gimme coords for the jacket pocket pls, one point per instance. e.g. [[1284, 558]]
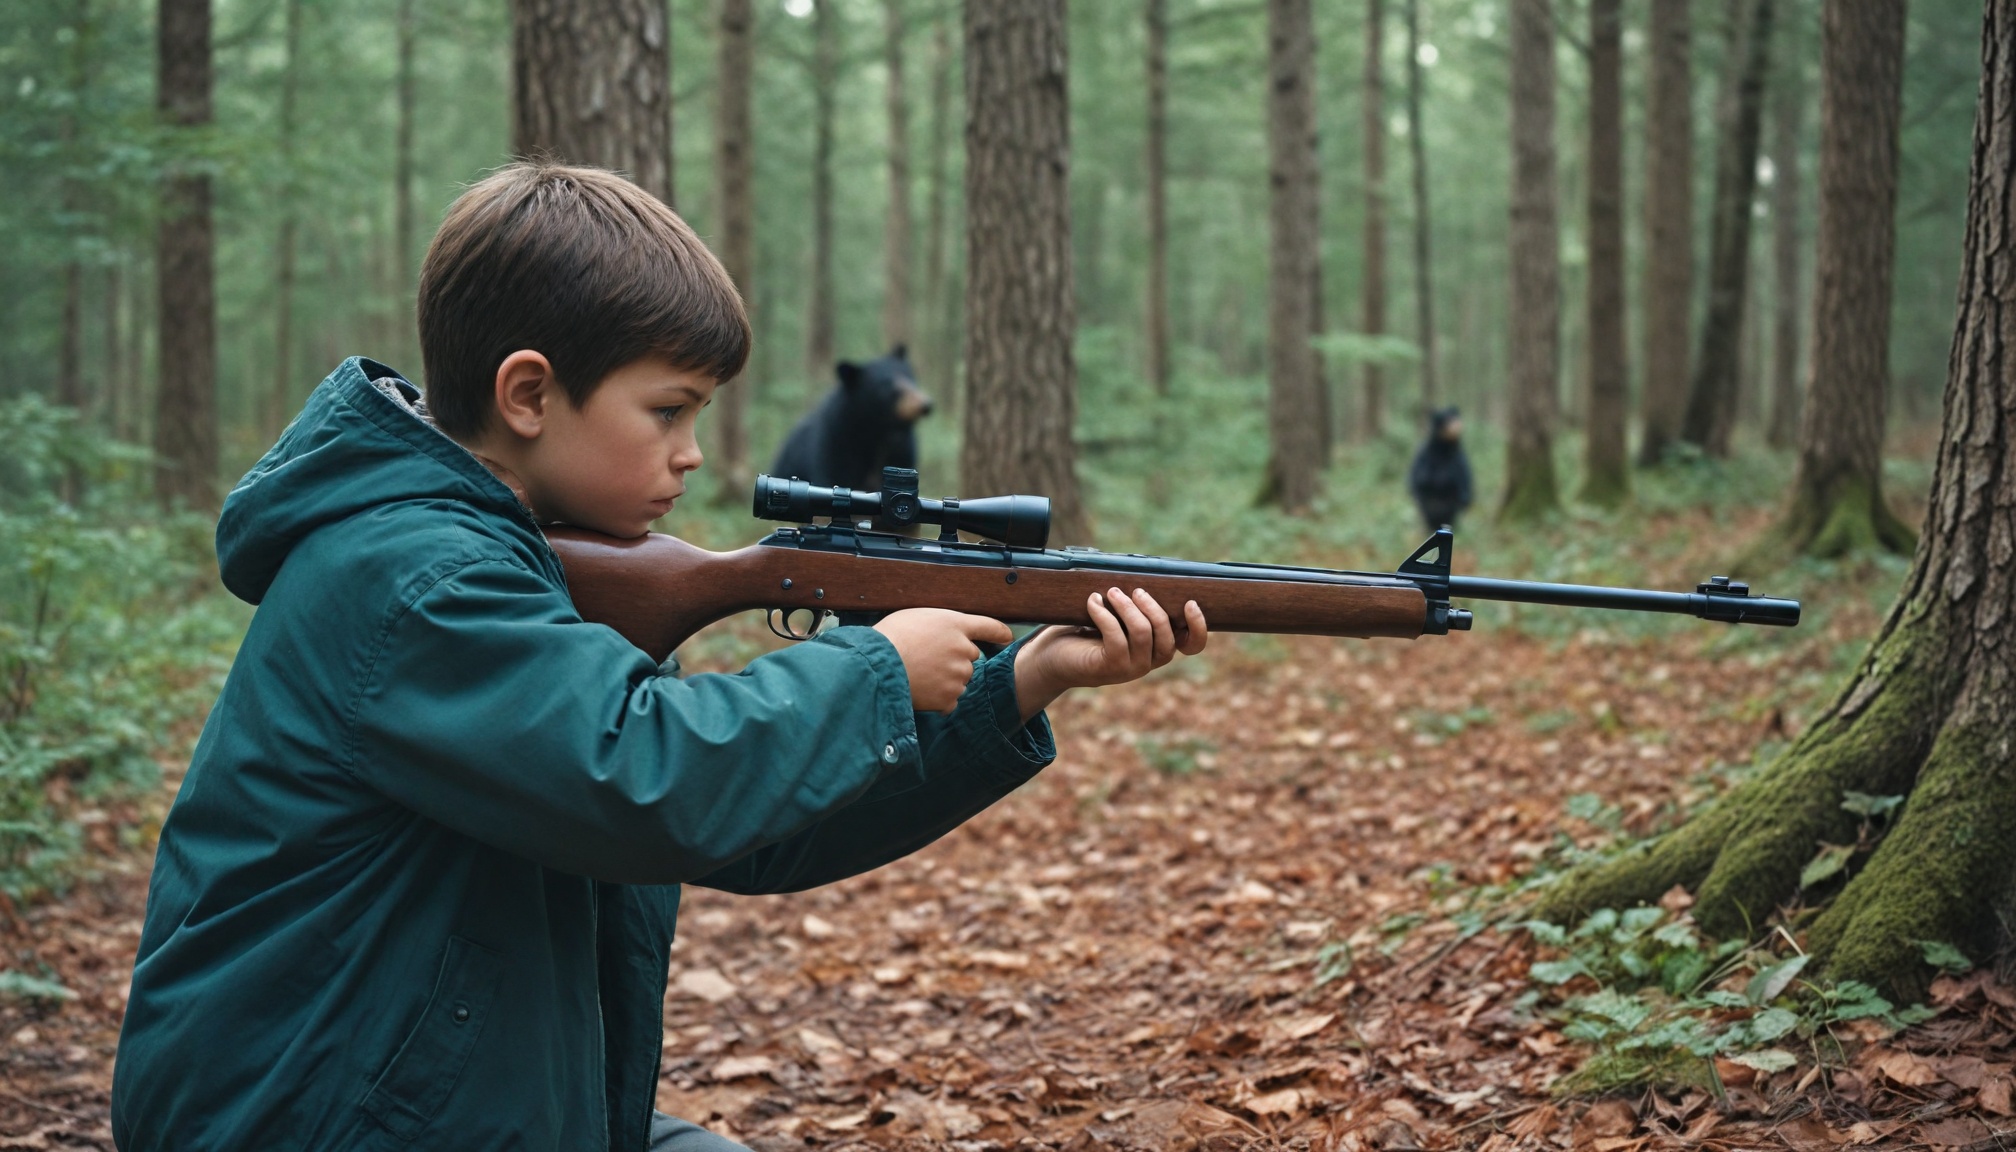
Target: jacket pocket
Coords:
[[417, 1083]]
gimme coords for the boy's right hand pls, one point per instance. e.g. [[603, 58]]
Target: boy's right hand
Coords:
[[938, 647]]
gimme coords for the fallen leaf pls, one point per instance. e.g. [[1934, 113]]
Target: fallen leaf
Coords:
[[991, 958], [816, 928], [1395, 1136], [1955, 1132], [814, 1040], [1537, 1124], [707, 984], [1806, 1134], [1605, 1118], [1306, 1026], [1905, 1068], [741, 1068], [1967, 1071], [1677, 899], [1286, 1102], [1994, 1096]]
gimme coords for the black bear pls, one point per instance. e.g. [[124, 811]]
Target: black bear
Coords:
[[867, 422], [1440, 477]]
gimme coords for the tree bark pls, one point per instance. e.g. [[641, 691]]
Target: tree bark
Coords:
[[1535, 302], [1372, 417], [1837, 498], [819, 306], [1606, 470], [185, 423], [734, 209], [896, 318], [1294, 407], [1424, 296], [279, 400], [1666, 291], [1711, 399], [407, 270], [1156, 326], [591, 82], [940, 363], [1786, 275], [1929, 711], [1022, 398]]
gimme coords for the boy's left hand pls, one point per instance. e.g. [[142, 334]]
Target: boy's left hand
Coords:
[[1130, 637]]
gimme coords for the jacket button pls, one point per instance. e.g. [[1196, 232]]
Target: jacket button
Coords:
[[461, 1013], [889, 753]]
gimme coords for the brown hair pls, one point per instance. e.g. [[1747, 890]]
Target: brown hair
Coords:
[[578, 264]]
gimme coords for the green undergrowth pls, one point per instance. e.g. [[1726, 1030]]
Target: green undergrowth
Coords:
[[114, 638]]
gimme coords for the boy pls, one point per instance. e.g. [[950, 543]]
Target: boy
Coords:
[[418, 888]]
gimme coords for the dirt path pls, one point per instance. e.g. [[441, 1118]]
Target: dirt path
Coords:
[[1173, 938]]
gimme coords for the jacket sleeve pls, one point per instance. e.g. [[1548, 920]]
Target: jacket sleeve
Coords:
[[976, 755], [490, 707]]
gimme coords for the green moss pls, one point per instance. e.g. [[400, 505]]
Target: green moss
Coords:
[[1952, 852], [1606, 488], [1645, 872]]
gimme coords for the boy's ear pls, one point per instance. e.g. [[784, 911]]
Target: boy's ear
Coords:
[[525, 390], [850, 374]]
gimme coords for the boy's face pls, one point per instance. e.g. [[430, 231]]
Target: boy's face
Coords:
[[617, 462]]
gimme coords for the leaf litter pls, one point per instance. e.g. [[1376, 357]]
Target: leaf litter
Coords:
[[1232, 916]]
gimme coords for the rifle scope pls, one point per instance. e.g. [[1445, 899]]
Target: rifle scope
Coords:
[[1017, 521]]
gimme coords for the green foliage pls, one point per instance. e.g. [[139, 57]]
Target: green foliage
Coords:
[[20, 986], [109, 641], [1655, 1003], [1175, 755]]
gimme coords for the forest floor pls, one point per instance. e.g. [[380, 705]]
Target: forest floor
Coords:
[[1221, 920]]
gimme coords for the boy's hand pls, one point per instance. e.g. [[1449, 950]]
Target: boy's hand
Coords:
[[938, 647], [1130, 637]]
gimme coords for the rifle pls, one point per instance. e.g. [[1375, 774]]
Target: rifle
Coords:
[[859, 564]]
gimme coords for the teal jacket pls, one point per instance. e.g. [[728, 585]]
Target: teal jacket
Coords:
[[418, 888]]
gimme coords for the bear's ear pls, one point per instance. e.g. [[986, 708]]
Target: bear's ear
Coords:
[[851, 374], [900, 352]]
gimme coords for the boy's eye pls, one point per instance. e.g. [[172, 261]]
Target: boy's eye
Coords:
[[668, 415]]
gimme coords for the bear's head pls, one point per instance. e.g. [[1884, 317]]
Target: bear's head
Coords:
[[883, 392]]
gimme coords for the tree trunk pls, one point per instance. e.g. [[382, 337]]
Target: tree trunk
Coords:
[[1156, 334], [1711, 398], [1424, 297], [402, 189], [1535, 302], [1932, 704], [115, 352], [734, 211], [1372, 418], [279, 404], [1607, 474], [819, 305], [591, 81], [185, 423], [1022, 396], [1667, 289], [1294, 408], [1837, 499], [896, 233], [1786, 279], [940, 364]]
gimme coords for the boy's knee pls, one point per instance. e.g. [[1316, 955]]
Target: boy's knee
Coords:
[[671, 1134]]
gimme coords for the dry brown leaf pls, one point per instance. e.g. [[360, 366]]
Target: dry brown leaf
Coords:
[[1905, 1068], [1287, 1102], [1301, 1028], [1807, 1134], [1605, 1118], [1966, 1071], [816, 928], [707, 984], [741, 1068], [1539, 1123], [1701, 1126], [993, 958], [1955, 1132], [1994, 1095]]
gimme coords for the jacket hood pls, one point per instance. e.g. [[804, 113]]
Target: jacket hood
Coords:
[[361, 442]]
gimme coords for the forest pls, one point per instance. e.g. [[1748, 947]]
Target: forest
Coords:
[[1715, 286]]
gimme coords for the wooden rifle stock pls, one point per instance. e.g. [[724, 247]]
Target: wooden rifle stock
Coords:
[[658, 590]]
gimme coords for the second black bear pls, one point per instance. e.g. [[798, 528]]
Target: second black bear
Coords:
[[1440, 477], [867, 422]]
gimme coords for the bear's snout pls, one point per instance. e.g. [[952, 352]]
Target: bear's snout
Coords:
[[912, 404]]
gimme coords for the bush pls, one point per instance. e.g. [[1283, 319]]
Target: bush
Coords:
[[112, 637]]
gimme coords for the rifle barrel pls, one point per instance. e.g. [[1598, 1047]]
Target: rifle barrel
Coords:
[[1706, 606]]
